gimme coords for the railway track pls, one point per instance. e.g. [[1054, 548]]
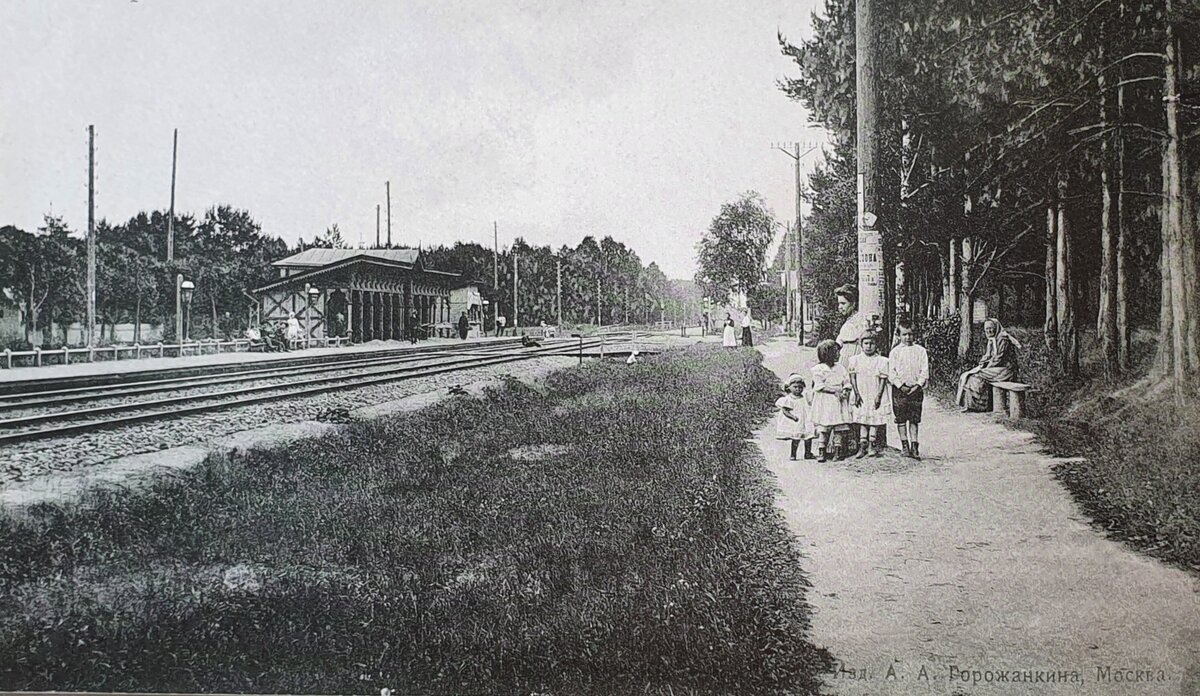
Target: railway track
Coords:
[[300, 380]]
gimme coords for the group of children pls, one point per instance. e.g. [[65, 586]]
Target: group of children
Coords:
[[864, 393]]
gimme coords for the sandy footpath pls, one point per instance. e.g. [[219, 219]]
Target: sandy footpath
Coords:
[[973, 571]]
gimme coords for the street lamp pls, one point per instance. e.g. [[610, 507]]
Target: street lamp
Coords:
[[311, 293], [186, 288]]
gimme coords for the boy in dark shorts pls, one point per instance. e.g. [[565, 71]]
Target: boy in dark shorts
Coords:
[[908, 371]]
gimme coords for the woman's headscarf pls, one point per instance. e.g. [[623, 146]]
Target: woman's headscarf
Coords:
[[1001, 333]]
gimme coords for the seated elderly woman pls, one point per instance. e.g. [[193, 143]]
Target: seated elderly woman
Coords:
[[998, 364]]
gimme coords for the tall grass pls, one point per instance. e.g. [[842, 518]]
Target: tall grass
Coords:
[[608, 534]]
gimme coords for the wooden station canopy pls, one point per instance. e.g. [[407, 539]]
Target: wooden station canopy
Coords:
[[367, 294]]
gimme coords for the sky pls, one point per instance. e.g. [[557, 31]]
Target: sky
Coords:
[[554, 119]]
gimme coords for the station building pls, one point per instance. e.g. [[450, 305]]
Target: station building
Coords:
[[367, 294]]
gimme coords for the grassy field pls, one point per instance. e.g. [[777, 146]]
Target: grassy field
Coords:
[[1139, 480], [611, 533]]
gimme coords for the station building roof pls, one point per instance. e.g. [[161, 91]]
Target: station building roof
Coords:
[[315, 258]]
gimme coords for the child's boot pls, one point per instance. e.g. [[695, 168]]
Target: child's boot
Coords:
[[904, 450], [916, 451], [821, 454], [862, 448], [795, 446], [808, 453]]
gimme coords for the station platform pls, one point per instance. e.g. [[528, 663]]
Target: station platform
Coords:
[[132, 366]]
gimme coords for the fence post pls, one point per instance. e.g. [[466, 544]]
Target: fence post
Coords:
[[37, 356], [91, 353], [137, 351], [160, 349], [8, 358]]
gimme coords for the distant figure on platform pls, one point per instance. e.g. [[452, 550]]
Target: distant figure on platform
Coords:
[[729, 334], [413, 320], [706, 322], [500, 323], [747, 338], [998, 364], [464, 326], [338, 325], [293, 327]]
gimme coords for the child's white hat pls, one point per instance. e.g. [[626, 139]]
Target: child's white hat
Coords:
[[792, 379]]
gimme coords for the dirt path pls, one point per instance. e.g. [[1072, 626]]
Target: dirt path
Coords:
[[973, 570]]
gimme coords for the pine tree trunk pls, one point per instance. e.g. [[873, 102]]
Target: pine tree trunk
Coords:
[[1122, 290], [955, 275], [1178, 276], [1106, 313], [1050, 329], [947, 303], [966, 304], [1068, 332]]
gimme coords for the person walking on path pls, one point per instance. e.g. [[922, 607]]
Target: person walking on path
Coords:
[[908, 371], [831, 402], [998, 364], [728, 335], [747, 338], [794, 423], [500, 322], [464, 325], [869, 377]]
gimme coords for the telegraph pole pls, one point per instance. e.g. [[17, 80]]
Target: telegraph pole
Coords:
[[376, 225], [495, 276], [514, 253], [798, 289], [795, 283], [171, 215], [872, 301], [91, 238], [558, 288], [388, 185]]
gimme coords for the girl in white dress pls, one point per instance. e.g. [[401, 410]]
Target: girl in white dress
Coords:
[[793, 422], [831, 402], [729, 336], [872, 404]]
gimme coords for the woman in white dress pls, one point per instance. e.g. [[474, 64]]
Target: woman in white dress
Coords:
[[729, 335]]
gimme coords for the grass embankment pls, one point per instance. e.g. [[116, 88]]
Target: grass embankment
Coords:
[[609, 535], [1138, 478]]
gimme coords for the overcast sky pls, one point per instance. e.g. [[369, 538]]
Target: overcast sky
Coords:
[[557, 119]]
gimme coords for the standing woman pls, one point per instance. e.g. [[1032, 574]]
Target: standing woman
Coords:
[[849, 338], [747, 338], [853, 328], [728, 335]]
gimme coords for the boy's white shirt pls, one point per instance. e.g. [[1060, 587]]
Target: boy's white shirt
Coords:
[[907, 359]]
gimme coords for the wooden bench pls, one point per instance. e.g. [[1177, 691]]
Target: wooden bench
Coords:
[[1015, 393]]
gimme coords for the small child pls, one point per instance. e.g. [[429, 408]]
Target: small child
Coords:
[[831, 401], [793, 423], [869, 377], [908, 371]]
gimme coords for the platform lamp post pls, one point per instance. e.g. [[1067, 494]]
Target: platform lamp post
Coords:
[[310, 295], [186, 288]]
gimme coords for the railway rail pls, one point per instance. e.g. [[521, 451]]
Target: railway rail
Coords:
[[305, 379]]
